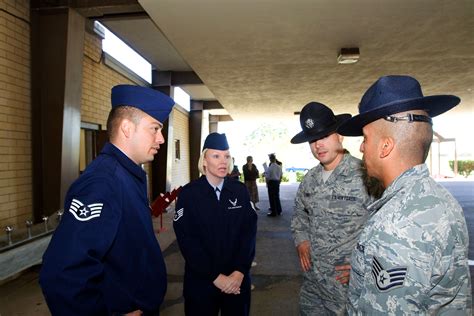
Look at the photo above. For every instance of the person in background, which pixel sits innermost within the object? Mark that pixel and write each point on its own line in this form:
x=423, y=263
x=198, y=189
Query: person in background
x=273, y=176
x=251, y=175
x=278, y=162
x=235, y=174
x=412, y=256
x=104, y=258
x=330, y=212
x=216, y=226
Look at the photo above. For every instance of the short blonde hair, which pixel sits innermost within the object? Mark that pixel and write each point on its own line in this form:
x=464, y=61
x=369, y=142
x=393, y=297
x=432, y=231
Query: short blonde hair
x=201, y=167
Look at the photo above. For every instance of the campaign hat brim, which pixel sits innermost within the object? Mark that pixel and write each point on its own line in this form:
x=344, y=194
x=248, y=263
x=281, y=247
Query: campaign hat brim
x=311, y=135
x=434, y=105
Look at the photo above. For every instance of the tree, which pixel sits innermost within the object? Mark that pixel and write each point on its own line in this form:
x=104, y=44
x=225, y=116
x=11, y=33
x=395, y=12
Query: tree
x=465, y=167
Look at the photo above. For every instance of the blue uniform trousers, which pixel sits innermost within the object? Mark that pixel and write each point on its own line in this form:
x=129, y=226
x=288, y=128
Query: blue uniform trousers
x=203, y=298
x=274, y=196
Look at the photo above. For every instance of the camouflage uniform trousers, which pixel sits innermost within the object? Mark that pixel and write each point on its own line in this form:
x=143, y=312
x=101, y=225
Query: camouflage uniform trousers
x=319, y=296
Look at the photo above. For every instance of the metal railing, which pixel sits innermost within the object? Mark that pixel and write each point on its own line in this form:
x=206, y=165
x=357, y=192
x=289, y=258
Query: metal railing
x=23, y=248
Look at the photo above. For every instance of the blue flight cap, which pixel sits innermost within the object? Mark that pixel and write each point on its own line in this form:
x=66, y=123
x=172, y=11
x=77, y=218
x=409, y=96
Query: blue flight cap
x=154, y=103
x=216, y=141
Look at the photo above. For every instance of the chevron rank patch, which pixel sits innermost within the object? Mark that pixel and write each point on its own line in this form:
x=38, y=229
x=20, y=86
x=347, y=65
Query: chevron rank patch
x=84, y=212
x=390, y=279
x=178, y=214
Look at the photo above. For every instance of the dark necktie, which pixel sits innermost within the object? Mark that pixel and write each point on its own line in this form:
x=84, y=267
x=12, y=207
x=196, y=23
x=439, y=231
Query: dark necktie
x=218, y=193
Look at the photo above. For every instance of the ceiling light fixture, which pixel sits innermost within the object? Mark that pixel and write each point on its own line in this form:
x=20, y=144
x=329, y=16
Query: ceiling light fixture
x=348, y=55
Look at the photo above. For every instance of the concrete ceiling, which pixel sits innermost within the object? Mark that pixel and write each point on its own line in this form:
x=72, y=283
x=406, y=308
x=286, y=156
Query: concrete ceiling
x=273, y=56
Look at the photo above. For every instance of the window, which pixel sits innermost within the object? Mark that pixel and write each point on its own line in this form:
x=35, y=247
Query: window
x=87, y=149
x=177, y=149
x=93, y=138
x=182, y=98
x=124, y=54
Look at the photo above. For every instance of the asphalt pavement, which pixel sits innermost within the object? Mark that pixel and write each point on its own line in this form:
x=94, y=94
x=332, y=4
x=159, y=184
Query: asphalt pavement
x=277, y=276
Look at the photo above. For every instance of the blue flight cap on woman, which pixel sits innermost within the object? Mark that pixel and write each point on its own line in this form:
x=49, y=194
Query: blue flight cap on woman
x=216, y=141
x=154, y=103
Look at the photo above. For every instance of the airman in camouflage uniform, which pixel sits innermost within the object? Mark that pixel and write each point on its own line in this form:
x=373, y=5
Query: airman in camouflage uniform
x=329, y=213
x=419, y=269
x=411, y=257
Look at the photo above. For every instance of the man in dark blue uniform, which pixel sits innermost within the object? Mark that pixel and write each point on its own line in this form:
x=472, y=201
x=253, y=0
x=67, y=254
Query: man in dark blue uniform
x=104, y=258
x=216, y=227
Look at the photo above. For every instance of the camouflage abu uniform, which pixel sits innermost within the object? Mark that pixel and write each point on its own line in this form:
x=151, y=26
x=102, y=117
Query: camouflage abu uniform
x=330, y=215
x=411, y=257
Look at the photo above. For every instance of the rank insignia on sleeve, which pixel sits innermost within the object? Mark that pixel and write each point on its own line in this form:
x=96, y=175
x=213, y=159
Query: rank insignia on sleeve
x=178, y=214
x=84, y=212
x=387, y=279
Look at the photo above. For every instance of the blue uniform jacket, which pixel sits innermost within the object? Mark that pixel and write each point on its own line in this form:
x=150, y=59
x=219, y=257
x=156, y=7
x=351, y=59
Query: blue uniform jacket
x=215, y=236
x=104, y=257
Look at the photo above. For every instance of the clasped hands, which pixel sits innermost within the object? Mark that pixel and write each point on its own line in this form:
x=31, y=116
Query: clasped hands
x=229, y=284
x=304, y=252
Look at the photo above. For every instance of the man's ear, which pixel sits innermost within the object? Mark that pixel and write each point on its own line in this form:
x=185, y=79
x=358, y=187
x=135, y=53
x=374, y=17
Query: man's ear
x=387, y=145
x=126, y=127
x=340, y=138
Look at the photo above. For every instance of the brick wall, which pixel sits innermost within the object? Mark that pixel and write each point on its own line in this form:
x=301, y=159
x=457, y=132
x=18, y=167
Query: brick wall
x=15, y=109
x=97, y=81
x=180, y=173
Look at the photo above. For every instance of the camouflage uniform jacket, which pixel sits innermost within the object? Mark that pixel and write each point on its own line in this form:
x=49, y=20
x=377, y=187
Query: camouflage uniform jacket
x=411, y=257
x=331, y=215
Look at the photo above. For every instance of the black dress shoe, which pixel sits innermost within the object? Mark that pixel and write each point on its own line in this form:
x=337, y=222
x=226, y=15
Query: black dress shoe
x=271, y=214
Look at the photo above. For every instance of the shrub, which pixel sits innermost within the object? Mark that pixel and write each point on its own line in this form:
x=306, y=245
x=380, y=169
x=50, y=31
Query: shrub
x=284, y=178
x=299, y=176
x=465, y=167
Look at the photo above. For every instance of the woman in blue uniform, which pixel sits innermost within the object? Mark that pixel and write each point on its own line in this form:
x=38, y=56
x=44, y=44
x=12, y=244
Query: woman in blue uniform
x=216, y=227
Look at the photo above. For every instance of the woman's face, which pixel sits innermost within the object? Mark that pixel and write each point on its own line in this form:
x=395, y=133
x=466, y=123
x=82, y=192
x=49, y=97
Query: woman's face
x=216, y=164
